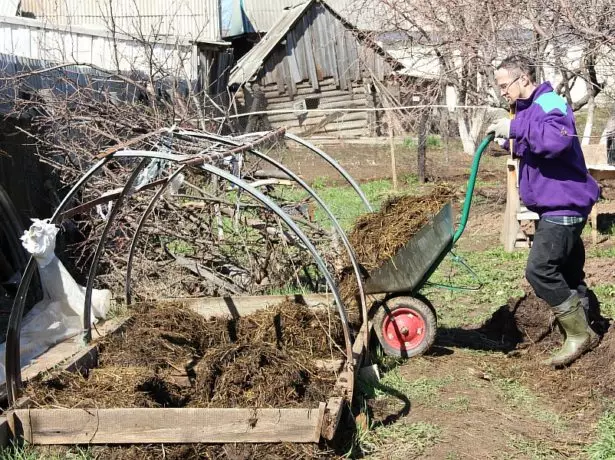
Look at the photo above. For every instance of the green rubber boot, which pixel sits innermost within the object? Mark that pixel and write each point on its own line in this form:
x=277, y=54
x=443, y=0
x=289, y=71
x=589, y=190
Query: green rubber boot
x=594, y=339
x=571, y=317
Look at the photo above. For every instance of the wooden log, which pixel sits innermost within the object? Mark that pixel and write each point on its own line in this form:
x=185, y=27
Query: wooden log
x=165, y=425
x=345, y=104
x=316, y=117
x=274, y=101
x=340, y=126
x=238, y=306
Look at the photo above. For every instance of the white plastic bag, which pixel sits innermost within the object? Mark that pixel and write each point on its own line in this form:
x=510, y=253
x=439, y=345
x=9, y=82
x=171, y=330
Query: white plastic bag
x=59, y=315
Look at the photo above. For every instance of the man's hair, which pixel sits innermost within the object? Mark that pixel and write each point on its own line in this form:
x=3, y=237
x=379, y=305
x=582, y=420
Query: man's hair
x=522, y=63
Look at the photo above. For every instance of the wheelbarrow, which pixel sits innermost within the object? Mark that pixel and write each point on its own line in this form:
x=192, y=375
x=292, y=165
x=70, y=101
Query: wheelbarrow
x=405, y=323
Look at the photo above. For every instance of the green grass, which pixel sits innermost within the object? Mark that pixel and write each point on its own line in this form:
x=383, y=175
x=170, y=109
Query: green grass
x=519, y=397
x=29, y=452
x=499, y=271
x=434, y=141
x=399, y=440
x=603, y=448
x=344, y=202
x=606, y=296
x=421, y=390
x=533, y=449
x=598, y=251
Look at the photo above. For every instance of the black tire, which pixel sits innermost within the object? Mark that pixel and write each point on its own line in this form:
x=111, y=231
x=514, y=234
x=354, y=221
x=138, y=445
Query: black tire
x=418, y=327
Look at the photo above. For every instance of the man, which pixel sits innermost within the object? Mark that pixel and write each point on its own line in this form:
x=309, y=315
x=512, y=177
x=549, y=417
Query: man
x=553, y=182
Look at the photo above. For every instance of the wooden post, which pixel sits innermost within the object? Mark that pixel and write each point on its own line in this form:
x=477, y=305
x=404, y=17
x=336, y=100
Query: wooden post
x=392, y=143
x=422, y=147
x=511, y=224
x=594, y=223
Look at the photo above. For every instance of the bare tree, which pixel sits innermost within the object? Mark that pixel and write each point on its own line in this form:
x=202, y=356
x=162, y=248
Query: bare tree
x=571, y=41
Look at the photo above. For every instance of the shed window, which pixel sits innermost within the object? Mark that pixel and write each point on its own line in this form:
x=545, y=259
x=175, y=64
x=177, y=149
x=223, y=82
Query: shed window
x=312, y=103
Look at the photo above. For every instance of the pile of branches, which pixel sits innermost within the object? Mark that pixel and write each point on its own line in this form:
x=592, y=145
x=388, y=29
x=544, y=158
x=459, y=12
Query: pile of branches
x=203, y=238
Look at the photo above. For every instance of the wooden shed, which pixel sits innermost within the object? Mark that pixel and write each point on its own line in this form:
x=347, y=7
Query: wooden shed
x=313, y=59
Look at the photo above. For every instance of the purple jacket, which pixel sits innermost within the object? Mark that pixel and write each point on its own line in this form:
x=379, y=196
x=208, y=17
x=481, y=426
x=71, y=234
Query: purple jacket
x=553, y=177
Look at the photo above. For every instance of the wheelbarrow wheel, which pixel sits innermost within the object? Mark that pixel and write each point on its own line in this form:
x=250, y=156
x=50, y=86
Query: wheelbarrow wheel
x=405, y=327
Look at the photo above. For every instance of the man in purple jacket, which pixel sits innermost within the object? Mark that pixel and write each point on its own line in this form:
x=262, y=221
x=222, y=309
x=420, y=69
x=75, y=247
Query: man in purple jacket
x=553, y=182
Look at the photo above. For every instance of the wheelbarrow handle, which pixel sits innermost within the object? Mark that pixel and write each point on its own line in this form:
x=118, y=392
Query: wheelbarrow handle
x=470, y=190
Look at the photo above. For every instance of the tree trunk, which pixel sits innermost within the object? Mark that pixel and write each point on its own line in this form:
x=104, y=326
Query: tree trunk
x=609, y=130
x=469, y=131
x=591, y=106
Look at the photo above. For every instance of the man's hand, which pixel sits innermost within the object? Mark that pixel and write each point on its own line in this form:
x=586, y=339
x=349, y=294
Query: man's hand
x=501, y=128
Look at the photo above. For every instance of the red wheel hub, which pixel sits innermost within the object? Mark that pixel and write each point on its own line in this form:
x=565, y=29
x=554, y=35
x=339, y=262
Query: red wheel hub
x=403, y=328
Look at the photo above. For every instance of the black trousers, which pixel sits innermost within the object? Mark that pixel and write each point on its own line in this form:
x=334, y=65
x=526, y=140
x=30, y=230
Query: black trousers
x=556, y=261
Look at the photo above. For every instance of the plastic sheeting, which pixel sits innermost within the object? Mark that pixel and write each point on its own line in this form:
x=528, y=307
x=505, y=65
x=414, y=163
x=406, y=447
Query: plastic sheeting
x=59, y=316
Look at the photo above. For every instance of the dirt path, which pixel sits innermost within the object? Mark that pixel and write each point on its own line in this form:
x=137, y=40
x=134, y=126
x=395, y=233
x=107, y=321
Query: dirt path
x=489, y=406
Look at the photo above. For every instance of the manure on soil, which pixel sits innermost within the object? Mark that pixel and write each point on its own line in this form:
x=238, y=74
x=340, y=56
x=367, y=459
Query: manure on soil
x=527, y=325
x=169, y=356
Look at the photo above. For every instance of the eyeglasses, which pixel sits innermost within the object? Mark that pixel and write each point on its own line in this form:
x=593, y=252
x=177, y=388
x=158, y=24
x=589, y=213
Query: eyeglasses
x=505, y=86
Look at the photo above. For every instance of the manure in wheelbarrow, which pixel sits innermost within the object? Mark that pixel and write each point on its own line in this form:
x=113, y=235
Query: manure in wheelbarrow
x=169, y=356
x=376, y=237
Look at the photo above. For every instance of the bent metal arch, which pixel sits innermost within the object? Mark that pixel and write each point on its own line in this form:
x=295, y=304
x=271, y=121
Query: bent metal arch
x=13, y=368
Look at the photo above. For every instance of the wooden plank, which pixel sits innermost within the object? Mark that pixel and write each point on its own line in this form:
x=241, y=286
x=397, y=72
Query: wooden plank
x=511, y=224
x=71, y=354
x=330, y=25
x=299, y=39
x=309, y=54
x=284, y=102
x=345, y=384
x=238, y=306
x=291, y=58
x=290, y=81
x=166, y=425
x=333, y=415
x=316, y=117
x=69, y=351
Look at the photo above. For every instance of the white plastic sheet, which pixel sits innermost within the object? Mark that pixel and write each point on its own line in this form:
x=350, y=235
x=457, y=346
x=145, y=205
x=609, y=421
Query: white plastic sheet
x=59, y=315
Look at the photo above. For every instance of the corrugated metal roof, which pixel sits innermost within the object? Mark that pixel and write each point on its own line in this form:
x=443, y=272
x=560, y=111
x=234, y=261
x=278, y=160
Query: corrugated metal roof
x=64, y=80
x=188, y=19
x=262, y=15
x=249, y=64
x=418, y=61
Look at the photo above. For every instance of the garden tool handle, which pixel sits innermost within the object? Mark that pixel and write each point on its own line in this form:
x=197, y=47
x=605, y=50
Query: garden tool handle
x=471, y=182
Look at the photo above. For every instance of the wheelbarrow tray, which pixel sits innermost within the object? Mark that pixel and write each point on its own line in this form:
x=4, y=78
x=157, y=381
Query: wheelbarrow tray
x=414, y=263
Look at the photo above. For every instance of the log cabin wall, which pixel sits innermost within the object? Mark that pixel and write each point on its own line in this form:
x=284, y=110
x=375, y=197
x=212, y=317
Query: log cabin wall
x=322, y=64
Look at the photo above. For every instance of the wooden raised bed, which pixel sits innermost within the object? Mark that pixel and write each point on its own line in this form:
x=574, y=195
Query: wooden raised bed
x=181, y=425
